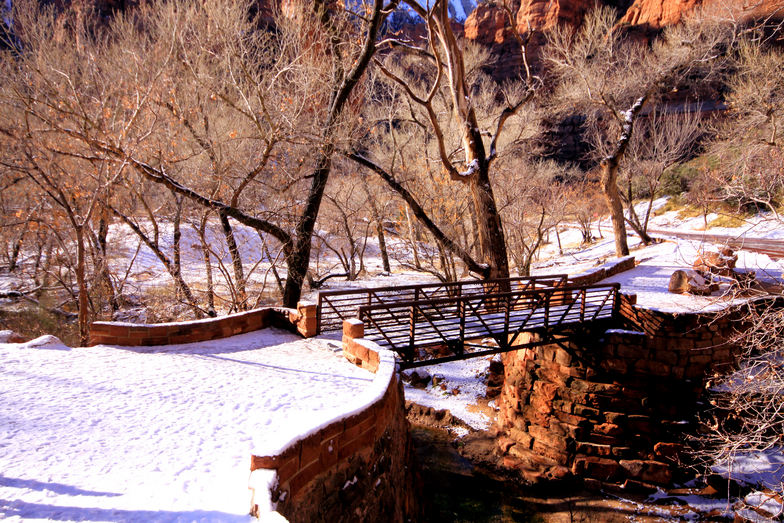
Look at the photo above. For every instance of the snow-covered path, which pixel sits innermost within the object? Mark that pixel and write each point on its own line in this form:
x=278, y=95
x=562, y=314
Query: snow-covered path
x=164, y=434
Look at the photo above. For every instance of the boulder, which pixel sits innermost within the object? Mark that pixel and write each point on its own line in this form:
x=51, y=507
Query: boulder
x=9, y=336
x=688, y=281
x=488, y=24
x=721, y=263
x=543, y=15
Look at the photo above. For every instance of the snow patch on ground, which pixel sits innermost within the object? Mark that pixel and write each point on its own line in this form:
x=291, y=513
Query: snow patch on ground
x=762, y=469
x=157, y=433
x=467, y=378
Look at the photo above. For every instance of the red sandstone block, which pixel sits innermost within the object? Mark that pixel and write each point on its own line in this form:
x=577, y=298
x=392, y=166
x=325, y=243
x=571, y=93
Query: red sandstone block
x=568, y=418
x=127, y=342
x=560, y=457
x=603, y=439
x=505, y=443
x=358, y=350
x=608, y=429
x=602, y=469
x=593, y=449
x=722, y=355
x=329, y=452
x=287, y=470
x=120, y=331
x=544, y=436
x=304, y=476
x=700, y=359
x=310, y=450
x=265, y=462
x=332, y=430
x=352, y=431
x=157, y=331
x=669, y=451
x=353, y=328
x=138, y=332
x=349, y=448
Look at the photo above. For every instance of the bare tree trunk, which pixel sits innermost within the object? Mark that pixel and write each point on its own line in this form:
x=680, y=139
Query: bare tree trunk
x=382, y=246
x=492, y=243
x=16, y=248
x=382, y=242
x=177, y=234
x=609, y=176
x=266, y=252
x=236, y=260
x=81, y=283
x=104, y=274
x=205, y=252
x=634, y=220
x=609, y=182
x=299, y=257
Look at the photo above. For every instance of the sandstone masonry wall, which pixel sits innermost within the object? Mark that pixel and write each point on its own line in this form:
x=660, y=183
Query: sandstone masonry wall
x=611, y=409
x=302, y=320
x=355, y=469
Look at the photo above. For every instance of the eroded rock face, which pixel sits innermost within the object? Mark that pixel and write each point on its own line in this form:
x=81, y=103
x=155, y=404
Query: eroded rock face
x=542, y=15
x=656, y=14
x=488, y=24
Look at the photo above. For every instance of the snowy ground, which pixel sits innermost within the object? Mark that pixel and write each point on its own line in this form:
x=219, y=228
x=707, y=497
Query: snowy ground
x=164, y=434
x=107, y=434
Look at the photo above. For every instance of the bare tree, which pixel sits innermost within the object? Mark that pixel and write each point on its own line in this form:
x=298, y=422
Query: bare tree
x=613, y=78
x=532, y=204
x=748, y=414
x=750, y=149
x=662, y=140
x=434, y=87
x=192, y=96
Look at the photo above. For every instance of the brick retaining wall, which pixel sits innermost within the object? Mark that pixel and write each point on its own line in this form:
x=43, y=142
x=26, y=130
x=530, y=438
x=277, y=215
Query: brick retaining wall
x=302, y=320
x=356, y=468
x=613, y=409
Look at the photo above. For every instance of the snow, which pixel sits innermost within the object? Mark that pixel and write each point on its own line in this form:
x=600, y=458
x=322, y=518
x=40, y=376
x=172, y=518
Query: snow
x=467, y=378
x=166, y=433
x=766, y=502
x=763, y=468
x=696, y=504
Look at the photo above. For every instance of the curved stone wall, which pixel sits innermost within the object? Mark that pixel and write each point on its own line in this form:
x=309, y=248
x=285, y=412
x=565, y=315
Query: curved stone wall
x=613, y=408
x=302, y=320
x=356, y=468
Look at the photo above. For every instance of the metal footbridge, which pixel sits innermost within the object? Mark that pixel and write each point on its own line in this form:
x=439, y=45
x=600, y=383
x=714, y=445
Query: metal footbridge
x=433, y=323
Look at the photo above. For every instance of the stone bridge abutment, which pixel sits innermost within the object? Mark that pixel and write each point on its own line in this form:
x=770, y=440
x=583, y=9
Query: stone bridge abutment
x=613, y=409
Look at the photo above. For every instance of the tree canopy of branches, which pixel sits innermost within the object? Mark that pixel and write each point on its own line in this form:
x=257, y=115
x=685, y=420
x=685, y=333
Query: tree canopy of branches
x=193, y=97
x=442, y=102
x=613, y=79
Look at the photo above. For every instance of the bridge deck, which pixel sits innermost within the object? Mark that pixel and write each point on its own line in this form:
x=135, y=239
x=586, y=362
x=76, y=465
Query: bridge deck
x=338, y=305
x=423, y=332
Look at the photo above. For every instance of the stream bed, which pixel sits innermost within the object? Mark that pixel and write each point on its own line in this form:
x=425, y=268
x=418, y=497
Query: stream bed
x=454, y=489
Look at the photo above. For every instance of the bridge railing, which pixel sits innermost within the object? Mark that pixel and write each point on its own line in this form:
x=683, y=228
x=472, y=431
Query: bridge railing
x=457, y=321
x=338, y=305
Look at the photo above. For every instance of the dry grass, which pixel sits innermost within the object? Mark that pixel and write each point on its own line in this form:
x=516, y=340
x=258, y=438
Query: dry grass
x=727, y=220
x=32, y=322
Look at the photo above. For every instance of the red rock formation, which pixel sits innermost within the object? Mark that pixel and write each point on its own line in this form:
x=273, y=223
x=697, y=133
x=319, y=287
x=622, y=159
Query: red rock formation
x=541, y=15
x=656, y=14
x=488, y=24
